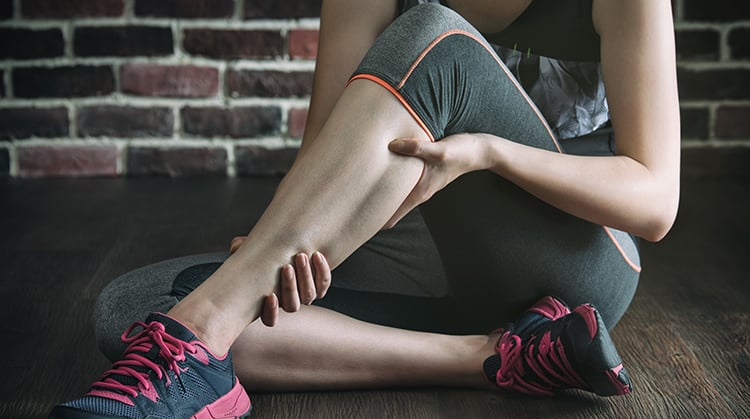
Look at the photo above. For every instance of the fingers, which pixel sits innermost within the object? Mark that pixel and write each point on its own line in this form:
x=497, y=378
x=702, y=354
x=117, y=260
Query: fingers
x=406, y=146
x=416, y=147
x=298, y=285
x=270, y=313
x=290, y=301
x=305, y=282
x=322, y=274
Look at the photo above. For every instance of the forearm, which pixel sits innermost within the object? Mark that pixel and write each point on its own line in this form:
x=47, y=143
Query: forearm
x=615, y=191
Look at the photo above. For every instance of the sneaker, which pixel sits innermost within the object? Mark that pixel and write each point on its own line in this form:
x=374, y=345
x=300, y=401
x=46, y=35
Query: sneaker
x=551, y=348
x=544, y=310
x=165, y=372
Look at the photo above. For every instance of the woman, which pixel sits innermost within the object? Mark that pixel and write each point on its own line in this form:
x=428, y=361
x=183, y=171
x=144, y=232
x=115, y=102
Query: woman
x=513, y=218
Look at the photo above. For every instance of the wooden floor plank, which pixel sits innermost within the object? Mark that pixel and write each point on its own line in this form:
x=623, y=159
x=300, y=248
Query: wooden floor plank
x=668, y=378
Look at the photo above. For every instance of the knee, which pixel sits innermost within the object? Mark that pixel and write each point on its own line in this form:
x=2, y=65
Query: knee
x=120, y=303
x=430, y=20
x=418, y=27
x=107, y=320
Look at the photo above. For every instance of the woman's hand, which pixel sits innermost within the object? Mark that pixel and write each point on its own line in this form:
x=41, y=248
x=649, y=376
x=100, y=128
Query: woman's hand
x=445, y=160
x=302, y=282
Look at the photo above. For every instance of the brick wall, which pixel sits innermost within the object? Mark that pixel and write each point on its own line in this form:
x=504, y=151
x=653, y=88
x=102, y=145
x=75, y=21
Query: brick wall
x=220, y=87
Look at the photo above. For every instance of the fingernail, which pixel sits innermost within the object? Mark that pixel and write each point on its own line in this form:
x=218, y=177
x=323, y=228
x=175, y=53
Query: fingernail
x=302, y=260
x=397, y=145
x=318, y=257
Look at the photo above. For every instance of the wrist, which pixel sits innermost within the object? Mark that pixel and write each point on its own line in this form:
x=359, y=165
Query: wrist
x=489, y=152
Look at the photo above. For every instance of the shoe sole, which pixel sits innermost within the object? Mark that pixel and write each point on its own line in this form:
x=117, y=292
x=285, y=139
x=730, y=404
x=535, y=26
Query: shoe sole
x=235, y=404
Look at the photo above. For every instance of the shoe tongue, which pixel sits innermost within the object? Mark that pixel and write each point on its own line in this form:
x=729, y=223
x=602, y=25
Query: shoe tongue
x=151, y=353
x=172, y=327
x=528, y=324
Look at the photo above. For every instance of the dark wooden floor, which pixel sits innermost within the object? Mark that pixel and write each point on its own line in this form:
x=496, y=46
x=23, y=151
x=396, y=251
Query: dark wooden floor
x=686, y=340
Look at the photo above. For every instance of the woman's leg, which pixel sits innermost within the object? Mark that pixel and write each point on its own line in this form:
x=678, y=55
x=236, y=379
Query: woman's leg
x=310, y=352
x=307, y=350
x=342, y=191
x=502, y=248
x=529, y=277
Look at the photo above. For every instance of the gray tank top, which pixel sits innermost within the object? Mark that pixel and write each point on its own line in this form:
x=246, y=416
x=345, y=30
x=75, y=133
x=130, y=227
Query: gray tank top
x=569, y=90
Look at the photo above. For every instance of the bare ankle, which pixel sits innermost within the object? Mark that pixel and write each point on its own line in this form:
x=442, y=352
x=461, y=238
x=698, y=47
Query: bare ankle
x=479, y=348
x=203, y=323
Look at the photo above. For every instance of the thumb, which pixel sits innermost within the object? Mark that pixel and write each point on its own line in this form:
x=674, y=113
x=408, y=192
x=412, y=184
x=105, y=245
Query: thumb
x=415, y=147
x=406, y=146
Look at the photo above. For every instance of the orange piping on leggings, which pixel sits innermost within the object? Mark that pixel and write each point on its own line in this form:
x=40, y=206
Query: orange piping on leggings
x=510, y=77
x=398, y=96
x=502, y=67
x=523, y=94
x=621, y=250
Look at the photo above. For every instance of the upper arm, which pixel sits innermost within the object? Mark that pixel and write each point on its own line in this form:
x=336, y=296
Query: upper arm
x=639, y=69
x=640, y=78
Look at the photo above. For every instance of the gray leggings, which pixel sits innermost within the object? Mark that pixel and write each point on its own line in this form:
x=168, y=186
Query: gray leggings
x=474, y=256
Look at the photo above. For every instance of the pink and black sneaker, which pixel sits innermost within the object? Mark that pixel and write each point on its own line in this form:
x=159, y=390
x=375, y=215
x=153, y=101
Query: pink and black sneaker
x=165, y=372
x=551, y=348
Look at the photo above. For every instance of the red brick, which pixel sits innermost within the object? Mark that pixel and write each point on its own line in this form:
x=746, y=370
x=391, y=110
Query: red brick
x=297, y=119
x=64, y=9
x=233, y=44
x=716, y=84
x=185, y=9
x=303, y=43
x=739, y=43
x=698, y=44
x=122, y=41
x=66, y=160
x=124, y=122
x=169, y=80
x=26, y=43
x=733, y=122
x=6, y=9
x=17, y=123
x=68, y=81
x=268, y=83
x=286, y=9
x=238, y=122
x=177, y=161
x=254, y=160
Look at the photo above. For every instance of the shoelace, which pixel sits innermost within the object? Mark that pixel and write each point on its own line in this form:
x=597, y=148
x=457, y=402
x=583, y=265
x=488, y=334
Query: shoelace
x=549, y=364
x=135, y=364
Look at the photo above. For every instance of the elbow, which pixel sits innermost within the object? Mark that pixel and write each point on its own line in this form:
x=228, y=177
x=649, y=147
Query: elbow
x=661, y=220
x=657, y=230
